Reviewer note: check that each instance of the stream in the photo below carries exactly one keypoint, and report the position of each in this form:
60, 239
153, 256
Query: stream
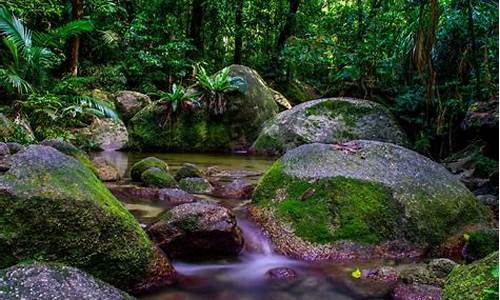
244, 278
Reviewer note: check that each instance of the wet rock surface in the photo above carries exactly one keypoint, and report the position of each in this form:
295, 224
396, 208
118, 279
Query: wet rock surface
52, 281
416, 292
196, 185
198, 231
132, 192
107, 134
237, 190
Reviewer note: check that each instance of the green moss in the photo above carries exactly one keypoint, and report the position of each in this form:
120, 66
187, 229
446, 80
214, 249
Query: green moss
337, 209
188, 170
69, 149
150, 162
155, 177
267, 144
477, 281
63, 213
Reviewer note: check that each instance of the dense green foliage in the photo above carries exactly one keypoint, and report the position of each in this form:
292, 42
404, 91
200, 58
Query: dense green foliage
428, 61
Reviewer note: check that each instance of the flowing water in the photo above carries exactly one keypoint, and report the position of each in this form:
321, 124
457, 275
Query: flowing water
244, 278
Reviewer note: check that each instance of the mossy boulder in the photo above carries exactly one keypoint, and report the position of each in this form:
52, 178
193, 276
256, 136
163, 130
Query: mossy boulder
54, 209
149, 162
199, 131
188, 170
156, 177
69, 149
197, 231
367, 192
195, 185
37, 281
330, 121
477, 281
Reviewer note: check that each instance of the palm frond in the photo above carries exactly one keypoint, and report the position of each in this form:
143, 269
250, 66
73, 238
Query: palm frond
13, 28
57, 36
12, 81
96, 105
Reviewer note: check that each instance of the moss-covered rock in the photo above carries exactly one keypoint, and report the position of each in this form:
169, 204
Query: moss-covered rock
68, 149
52, 208
156, 177
367, 192
37, 281
198, 131
188, 170
195, 185
150, 162
480, 243
128, 103
332, 120
477, 281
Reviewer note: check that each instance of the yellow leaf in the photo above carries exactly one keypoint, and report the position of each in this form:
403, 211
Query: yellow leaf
356, 273
466, 236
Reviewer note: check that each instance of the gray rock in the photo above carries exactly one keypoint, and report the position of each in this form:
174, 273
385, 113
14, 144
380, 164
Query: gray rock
330, 121
53, 281
15, 147
108, 134
4, 150
128, 103
417, 292
106, 170
197, 231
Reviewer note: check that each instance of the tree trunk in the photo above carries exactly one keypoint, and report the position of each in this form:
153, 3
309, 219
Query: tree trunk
238, 38
77, 12
195, 30
288, 28
472, 37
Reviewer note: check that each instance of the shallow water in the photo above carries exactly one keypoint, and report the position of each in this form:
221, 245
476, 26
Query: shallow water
244, 278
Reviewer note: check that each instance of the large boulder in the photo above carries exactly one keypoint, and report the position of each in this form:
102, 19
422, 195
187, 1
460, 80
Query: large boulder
54, 281
477, 281
52, 208
363, 191
329, 121
128, 103
197, 231
107, 134
199, 131
156, 177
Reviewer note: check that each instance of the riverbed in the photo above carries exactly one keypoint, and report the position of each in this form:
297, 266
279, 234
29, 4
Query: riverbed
246, 276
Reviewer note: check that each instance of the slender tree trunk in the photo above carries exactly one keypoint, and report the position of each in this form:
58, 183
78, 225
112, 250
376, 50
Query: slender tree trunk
195, 29
77, 12
238, 39
472, 37
360, 19
288, 28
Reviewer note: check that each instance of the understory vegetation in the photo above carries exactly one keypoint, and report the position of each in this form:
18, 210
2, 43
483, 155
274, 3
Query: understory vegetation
428, 61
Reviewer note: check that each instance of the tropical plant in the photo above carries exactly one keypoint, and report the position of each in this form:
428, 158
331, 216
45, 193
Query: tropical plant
178, 98
214, 89
28, 57
85, 105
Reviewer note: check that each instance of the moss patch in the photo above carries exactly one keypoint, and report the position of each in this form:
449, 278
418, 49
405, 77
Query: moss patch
477, 281
156, 177
332, 209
